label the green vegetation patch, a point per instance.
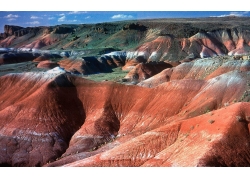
(116, 75)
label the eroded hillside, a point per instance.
(171, 92)
(189, 119)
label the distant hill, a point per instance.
(157, 39)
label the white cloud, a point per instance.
(87, 17)
(62, 14)
(35, 17)
(71, 21)
(77, 12)
(61, 19)
(50, 18)
(11, 19)
(33, 23)
(121, 16)
(239, 14)
(11, 16)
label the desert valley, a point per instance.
(148, 93)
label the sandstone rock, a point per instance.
(9, 30)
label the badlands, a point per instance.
(149, 93)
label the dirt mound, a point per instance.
(47, 64)
(88, 65)
(162, 77)
(41, 58)
(144, 71)
(113, 60)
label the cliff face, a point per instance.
(9, 30)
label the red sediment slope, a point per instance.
(218, 139)
(198, 69)
(144, 71)
(71, 121)
(201, 45)
(47, 64)
(90, 65)
(34, 121)
(72, 65)
(41, 58)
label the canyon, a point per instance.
(173, 92)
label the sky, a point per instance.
(30, 13)
(50, 18)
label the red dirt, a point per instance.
(47, 64)
(72, 65)
(41, 58)
(144, 71)
(64, 120)
(34, 128)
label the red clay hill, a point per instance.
(196, 117)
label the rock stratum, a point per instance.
(152, 40)
(184, 100)
(194, 114)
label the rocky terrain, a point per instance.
(171, 92)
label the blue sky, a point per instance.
(49, 18)
(48, 13)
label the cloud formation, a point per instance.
(61, 19)
(239, 14)
(121, 16)
(87, 17)
(33, 23)
(11, 17)
(77, 12)
(35, 17)
(50, 18)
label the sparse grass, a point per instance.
(116, 75)
(207, 110)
